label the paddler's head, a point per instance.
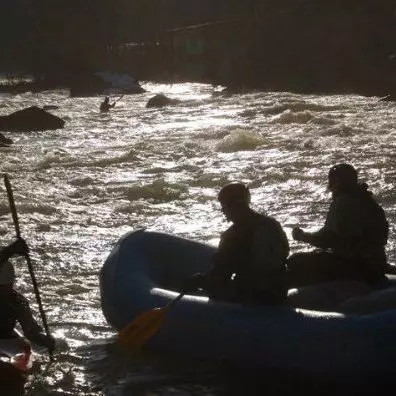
(234, 199)
(7, 276)
(342, 178)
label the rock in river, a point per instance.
(30, 119)
(161, 100)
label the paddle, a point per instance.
(118, 99)
(30, 266)
(144, 326)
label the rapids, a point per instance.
(77, 190)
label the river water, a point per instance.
(77, 190)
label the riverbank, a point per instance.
(89, 84)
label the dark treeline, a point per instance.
(278, 44)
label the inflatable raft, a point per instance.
(147, 269)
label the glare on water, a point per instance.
(78, 189)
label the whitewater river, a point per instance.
(77, 190)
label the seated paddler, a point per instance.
(351, 244)
(14, 307)
(106, 105)
(249, 265)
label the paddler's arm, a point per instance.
(31, 329)
(321, 238)
(342, 230)
(221, 271)
(267, 263)
(219, 274)
(18, 247)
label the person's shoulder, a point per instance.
(265, 219)
(371, 204)
(267, 222)
(345, 199)
(347, 205)
(361, 198)
(229, 231)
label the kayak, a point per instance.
(16, 360)
(147, 269)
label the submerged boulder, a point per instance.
(30, 119)
(161, 100)
(4, 141)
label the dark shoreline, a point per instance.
(17, 87)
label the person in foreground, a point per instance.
(249, 266)
(105, 105)
(352, 241)
(14, 307)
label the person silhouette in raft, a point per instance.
(249, 266)
(351, 244)
(14, 307)
(105, 106)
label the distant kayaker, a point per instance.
(249, 266)
(105, 105)
(14, 307)
(352, 241)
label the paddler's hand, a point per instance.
(50, 343)
(21, 361)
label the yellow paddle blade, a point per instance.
(142, 328)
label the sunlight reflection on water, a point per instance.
(79, 189)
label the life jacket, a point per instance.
(376, 231)
(370, 256)
(256, 253)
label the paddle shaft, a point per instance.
(29, 263)
(144, 326)
(118, 99)
(174, 301)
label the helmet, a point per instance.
(234, 192)
(7, 273)
(346, 173)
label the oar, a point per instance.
(143, 327)
(29, 263)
